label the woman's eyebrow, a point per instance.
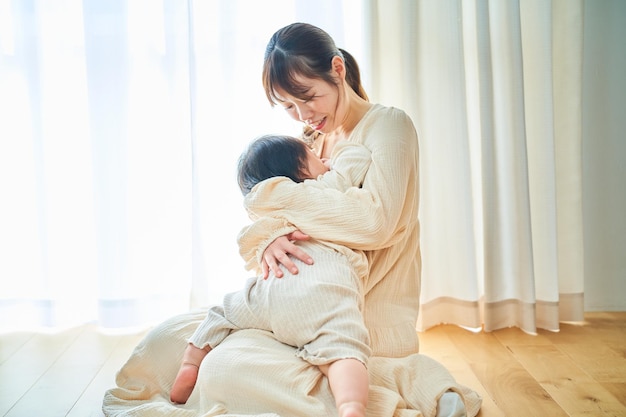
(305, 93)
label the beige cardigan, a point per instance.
(250, 372)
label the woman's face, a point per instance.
(322, 112)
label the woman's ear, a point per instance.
(338, 66)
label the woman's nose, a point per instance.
(304, 114)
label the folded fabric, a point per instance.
(270, 380)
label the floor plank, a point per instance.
(26, 367)
(76, 367)
(11, 343)
(90, 402)
(578, 393)
(436, 344)
(501, 375)
(598, 360)
(618, 390)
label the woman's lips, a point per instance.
(319, 125)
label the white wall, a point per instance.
(604, 154)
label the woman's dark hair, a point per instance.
(301, 49)
(272, 156)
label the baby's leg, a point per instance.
(188, 373)
(349, 382)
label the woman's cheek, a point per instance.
(294, 115)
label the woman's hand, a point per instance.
(277, 254)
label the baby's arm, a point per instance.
(349, 164)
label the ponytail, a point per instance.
(353, 74)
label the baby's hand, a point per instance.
(326, 162)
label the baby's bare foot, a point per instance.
(184, 383)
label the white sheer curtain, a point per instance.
(495, 90)
(96, 163)
(121, 121)
(120, 125)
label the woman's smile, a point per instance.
(319, 125)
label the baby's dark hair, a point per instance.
(272, 156)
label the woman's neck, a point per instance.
(356, 110)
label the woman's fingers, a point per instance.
(278, 253)
(297, 235)
(265, 269)
(298, 253)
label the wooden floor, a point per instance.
(579, 371)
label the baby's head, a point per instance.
(277, 156)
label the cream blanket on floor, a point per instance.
(274, 383)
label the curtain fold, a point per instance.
(495, 91)
(568, 115)
(509, 274)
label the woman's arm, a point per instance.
(370, 218)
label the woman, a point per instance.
(250, 372)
